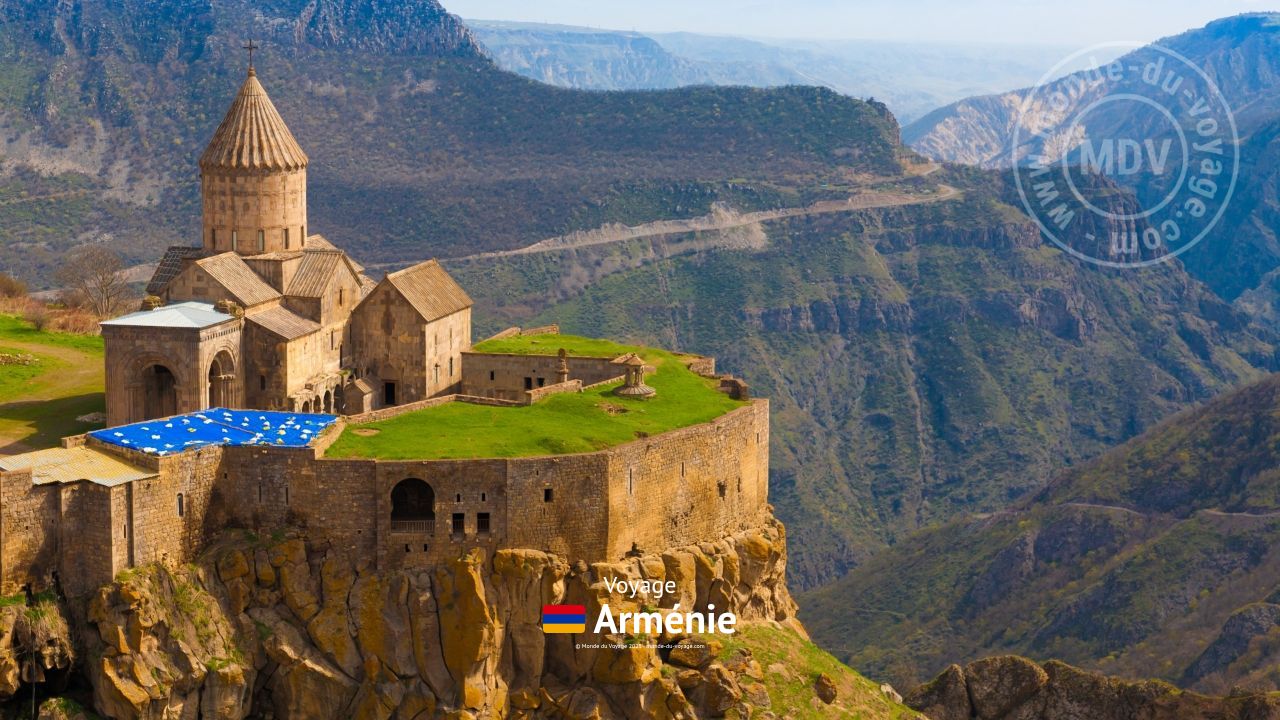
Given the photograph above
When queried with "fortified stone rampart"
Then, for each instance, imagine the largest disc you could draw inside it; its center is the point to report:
(686, 486)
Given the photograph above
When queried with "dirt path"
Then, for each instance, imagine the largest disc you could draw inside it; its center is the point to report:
(719, 219)
(38, 198)
(1252, 516)
(1099, 506)
(85, 368)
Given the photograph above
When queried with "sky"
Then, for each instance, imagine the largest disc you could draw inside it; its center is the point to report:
(1075, 23)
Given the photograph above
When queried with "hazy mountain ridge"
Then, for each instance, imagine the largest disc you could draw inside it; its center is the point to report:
(1239, 54)
(911, 78)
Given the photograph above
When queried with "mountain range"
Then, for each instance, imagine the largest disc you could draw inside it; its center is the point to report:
(941, 377)
(1238, 259)
(1155, 560)
(421, 146)
(922, 359)
(912, 78)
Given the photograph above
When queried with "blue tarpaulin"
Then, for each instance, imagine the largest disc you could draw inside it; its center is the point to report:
(217, 426)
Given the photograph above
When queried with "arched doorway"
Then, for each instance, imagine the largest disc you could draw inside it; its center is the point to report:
(328, 401)
(339, 403)
(306, 406)
(222, 380)
(413, 507)
(159, 392)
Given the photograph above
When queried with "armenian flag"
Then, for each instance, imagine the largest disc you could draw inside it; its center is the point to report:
(564, 619)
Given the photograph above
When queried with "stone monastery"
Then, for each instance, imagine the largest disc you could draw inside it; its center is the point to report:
(258, 349)
(264, 315)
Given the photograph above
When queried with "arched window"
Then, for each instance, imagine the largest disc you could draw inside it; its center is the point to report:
(262, 241)
(413, 507)
(182, 509)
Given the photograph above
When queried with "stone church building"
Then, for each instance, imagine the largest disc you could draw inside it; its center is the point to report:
(265, 315)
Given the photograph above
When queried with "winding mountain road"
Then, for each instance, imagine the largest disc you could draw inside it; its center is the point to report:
(720, 218)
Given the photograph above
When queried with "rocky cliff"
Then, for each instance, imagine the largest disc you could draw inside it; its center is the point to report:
(1014, 688)
(283, 628)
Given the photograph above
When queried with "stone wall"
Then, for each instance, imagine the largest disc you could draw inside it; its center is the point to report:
(239, 204)
(161, 529)
(508, 376)
(28, 532)
(85, 526)
(685, 486)
(679, 488)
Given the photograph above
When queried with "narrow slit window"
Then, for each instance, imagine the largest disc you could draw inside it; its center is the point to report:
(262, 241)
(182, 509)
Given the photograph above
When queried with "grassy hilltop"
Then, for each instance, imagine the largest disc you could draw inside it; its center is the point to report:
(47, 380)
(559, 424)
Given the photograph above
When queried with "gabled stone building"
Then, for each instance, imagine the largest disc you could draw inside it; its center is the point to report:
(263, 314)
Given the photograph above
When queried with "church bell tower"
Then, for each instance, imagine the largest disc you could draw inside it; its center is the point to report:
(253, 179)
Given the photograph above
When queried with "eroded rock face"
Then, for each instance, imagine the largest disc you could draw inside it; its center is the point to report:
(304, 632)
(35, 645)
(1014, 688)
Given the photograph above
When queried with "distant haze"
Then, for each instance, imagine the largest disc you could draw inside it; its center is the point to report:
(1078, 23)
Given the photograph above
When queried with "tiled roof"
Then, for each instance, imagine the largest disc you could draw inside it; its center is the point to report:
(253, 136)
(283, 322)
(314, 273)
(231, 271)
(63, 465)
(318, 242)
(170, 265)
(178, 315)
(430, 290)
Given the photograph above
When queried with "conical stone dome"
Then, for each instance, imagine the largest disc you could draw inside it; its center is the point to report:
(253, 136)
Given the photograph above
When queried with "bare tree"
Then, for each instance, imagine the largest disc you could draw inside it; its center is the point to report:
(97, 275)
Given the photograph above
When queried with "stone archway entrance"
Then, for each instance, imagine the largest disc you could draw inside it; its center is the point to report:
(413, 507)
(159, 391)
(222, 380)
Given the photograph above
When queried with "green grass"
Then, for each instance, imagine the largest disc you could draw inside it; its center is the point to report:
(560, 424)
(40, 403)
(15, 380)
(551, 344)
(17, 329)
(791, 664)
